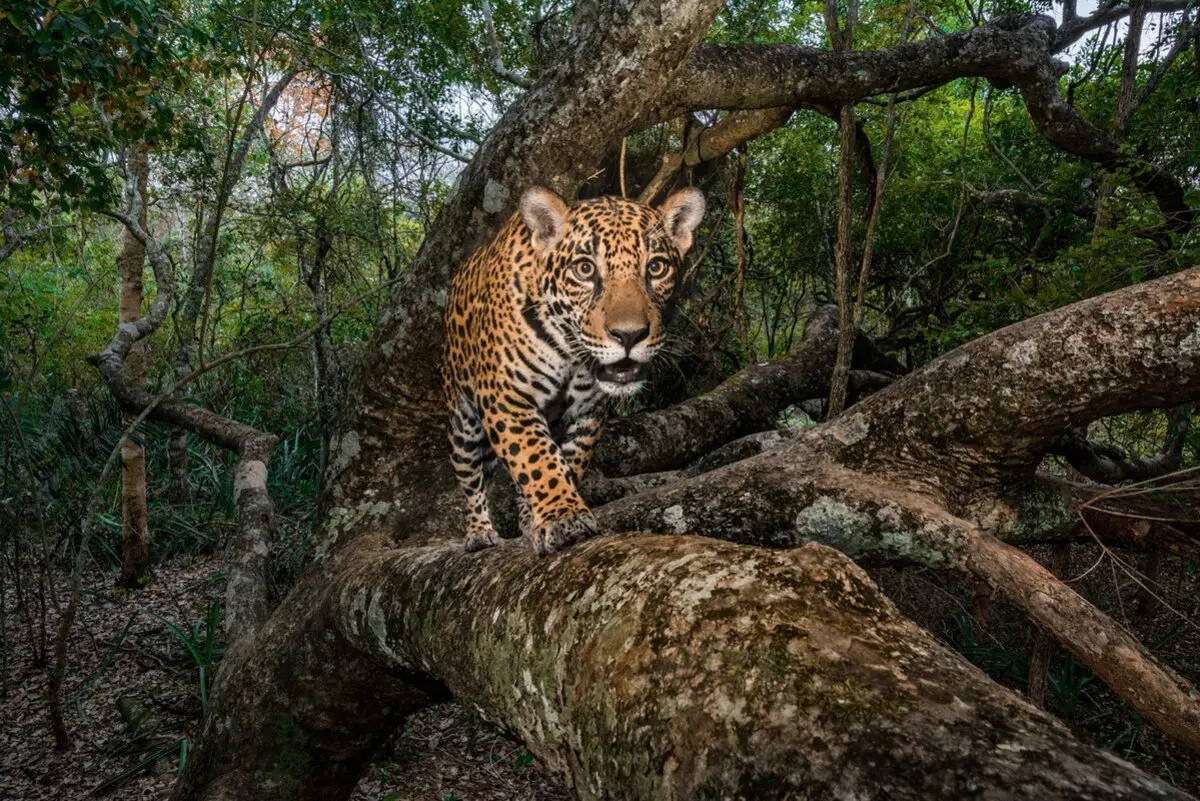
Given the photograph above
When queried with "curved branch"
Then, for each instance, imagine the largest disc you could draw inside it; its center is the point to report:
(1009, 51)
(1108, 464)
(744, 403)
(715, 141)
(981, 417)
(246, 604)
(498, 67)
(793, 496)
(1072, 30)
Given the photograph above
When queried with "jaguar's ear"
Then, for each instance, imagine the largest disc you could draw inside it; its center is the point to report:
(682, 212)
(545, 214)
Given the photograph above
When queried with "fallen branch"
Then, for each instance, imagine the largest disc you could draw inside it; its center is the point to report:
(1165, 699)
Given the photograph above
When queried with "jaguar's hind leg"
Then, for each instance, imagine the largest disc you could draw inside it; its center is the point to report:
(469, 454)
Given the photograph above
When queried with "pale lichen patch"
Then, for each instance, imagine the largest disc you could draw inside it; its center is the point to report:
(377, 622)
(343, 449)
(674, 520)
(495, 196)
(1022, 354)
(851, 430)
(833, 523)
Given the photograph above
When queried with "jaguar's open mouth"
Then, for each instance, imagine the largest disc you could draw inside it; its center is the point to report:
(625, 371)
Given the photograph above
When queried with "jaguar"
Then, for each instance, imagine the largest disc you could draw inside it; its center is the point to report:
(564, 307)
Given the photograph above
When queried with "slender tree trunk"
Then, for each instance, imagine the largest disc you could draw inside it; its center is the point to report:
(1127, 102)
(189, 349)
(1043, 647)
(135, 547)
(843, 41)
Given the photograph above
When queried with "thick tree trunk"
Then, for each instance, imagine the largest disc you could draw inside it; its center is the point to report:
(135, 546)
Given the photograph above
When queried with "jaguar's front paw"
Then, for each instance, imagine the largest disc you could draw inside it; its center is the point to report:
(565, 531)
(478, 540)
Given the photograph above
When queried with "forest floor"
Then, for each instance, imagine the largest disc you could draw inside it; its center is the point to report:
(128, 650)
(123, 647)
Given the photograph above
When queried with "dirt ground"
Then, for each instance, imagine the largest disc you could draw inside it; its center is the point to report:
(123, 647)
(444, 754)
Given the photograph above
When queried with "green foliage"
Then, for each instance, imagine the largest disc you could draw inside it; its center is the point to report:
(343, 177)
(200, 644)
(1006, 666)
(1068, 685)
(79, 79)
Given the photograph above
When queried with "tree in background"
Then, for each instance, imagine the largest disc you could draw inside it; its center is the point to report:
(135, 546)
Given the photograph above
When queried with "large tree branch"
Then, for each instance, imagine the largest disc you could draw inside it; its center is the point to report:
(959, 433)
(625, 665)
(1072, 30)
(982, 416)
(1012, 51)
(380, 625)
(793, 496)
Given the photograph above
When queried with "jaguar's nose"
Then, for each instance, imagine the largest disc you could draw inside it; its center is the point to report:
(628, 337)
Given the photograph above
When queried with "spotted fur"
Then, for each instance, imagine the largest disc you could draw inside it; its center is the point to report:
(562, 308)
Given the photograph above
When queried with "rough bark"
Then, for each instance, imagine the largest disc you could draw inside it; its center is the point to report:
(983, 416)
(391, 447)
(411, 621)
(624, 665)
(885, 480)
(135, 546)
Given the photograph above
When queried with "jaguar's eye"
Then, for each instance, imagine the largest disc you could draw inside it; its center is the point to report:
(584, 270)
(658, 268)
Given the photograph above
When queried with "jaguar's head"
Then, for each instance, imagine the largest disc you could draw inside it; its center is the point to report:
(612, 265)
